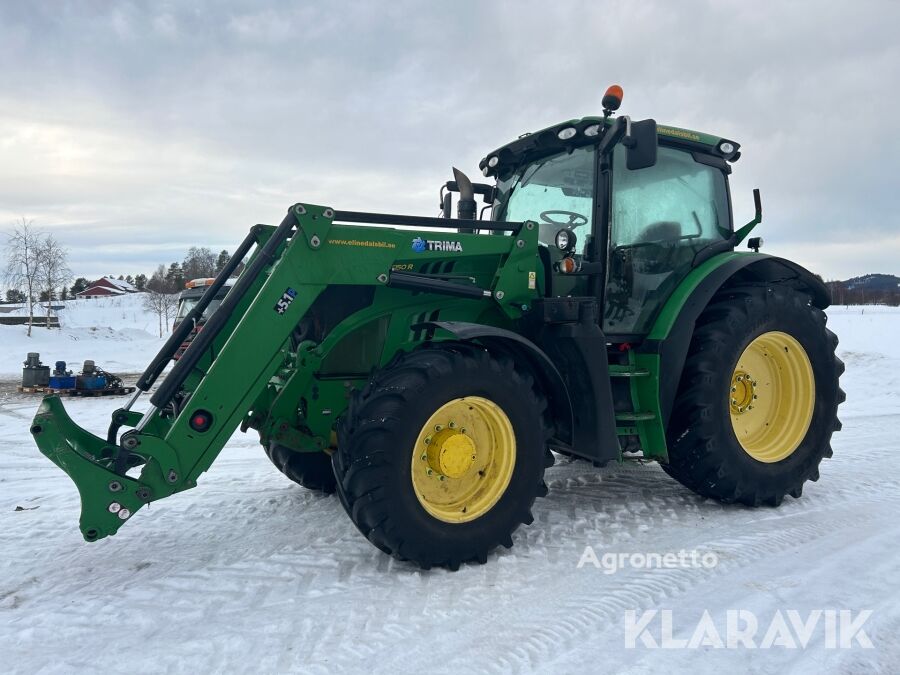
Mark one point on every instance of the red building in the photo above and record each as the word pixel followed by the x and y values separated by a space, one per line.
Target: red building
pixel 107 287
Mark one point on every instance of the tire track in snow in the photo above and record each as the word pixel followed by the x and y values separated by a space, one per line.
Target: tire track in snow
pixel 533 641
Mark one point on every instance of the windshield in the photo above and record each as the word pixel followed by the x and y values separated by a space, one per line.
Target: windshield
pixel 185 305
pixel 555 192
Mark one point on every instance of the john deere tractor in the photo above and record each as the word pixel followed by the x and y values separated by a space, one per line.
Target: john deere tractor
pixel 427 369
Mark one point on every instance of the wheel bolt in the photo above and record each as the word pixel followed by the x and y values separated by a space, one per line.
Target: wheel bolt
pixel 427 440
pixel 424 457
pixel 429 471
pixel 755 397
pixel 734 401
pixel 438 427
pixel 733 389
pixel 452 425
pixel 463 430
pixel 442 477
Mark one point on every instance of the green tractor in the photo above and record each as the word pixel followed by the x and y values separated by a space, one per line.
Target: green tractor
pixel 428 372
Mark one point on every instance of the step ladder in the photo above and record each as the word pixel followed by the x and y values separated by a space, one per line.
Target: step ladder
pixel 640 421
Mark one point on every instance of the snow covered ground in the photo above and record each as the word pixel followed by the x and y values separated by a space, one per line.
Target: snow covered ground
pixel 251 573
pixel 116 332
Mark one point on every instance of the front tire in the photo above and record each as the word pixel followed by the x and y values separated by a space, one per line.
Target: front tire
pixel 312 470
pixel 757 403
pixel 442 455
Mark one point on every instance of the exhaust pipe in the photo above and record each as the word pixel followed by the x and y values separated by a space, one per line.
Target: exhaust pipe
pixel 466 207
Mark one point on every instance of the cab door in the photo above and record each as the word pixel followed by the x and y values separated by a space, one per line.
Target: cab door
pixel 661 216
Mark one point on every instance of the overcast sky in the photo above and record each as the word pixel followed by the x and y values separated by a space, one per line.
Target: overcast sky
pixel 135 130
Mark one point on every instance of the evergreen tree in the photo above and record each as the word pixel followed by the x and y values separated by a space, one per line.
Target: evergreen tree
pixel 175 277
pixel 222 260
pixel 80 284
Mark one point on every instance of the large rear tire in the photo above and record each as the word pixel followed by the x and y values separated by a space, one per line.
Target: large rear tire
pixel 312 470
pixel 758 398
pixel 442 455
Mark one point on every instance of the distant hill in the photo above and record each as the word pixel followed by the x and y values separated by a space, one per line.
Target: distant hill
pixel 873 282
pixel 883 289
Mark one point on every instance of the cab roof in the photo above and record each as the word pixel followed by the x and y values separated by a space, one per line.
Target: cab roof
pixel 532 146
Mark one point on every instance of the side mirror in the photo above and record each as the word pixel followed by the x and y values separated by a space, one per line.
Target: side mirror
pixel 641 142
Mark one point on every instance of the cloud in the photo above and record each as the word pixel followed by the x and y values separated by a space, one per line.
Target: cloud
pixel 137 130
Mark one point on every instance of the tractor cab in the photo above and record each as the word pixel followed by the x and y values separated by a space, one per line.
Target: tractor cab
pixel 625 210
pixel 190 296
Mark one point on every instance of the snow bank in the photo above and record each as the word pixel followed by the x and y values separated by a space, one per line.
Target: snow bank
pixel 116 332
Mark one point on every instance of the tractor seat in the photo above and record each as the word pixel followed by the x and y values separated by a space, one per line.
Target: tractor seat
pixel 662 232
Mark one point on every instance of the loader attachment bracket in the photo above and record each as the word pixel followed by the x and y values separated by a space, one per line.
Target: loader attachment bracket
pixel 109 497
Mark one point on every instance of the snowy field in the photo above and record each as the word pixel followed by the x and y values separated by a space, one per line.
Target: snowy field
pixel 115 332
pixel 251 573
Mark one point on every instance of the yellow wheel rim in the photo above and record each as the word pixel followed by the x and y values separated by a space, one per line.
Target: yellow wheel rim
pixel 463 459
pixel 772 395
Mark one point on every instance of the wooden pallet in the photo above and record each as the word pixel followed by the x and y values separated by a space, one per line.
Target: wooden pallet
pixel 42 390
pixel 117 391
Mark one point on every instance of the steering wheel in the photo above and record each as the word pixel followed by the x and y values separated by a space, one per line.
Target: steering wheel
pixel 575 219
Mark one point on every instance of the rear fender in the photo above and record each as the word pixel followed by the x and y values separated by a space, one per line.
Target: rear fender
pixel 666 347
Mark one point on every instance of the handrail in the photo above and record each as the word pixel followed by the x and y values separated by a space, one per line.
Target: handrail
pixel 424 221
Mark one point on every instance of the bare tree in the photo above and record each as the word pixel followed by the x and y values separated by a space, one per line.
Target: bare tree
pixel 199 262
pixel 164 305
pixel 23 262
pixel 161 298
pixel 53 270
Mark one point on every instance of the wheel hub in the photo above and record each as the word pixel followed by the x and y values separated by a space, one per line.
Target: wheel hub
pixel 743 392
pixel 450 452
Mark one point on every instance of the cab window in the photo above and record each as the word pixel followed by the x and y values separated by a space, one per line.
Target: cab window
pixel 661 217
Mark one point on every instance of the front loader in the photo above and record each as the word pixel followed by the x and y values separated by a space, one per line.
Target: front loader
pixel 426 374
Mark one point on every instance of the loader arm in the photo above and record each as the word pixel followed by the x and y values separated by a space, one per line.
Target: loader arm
pixel 169 445
pixel 229 371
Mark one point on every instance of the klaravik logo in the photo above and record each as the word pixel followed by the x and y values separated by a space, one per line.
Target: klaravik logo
pixel 420 245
